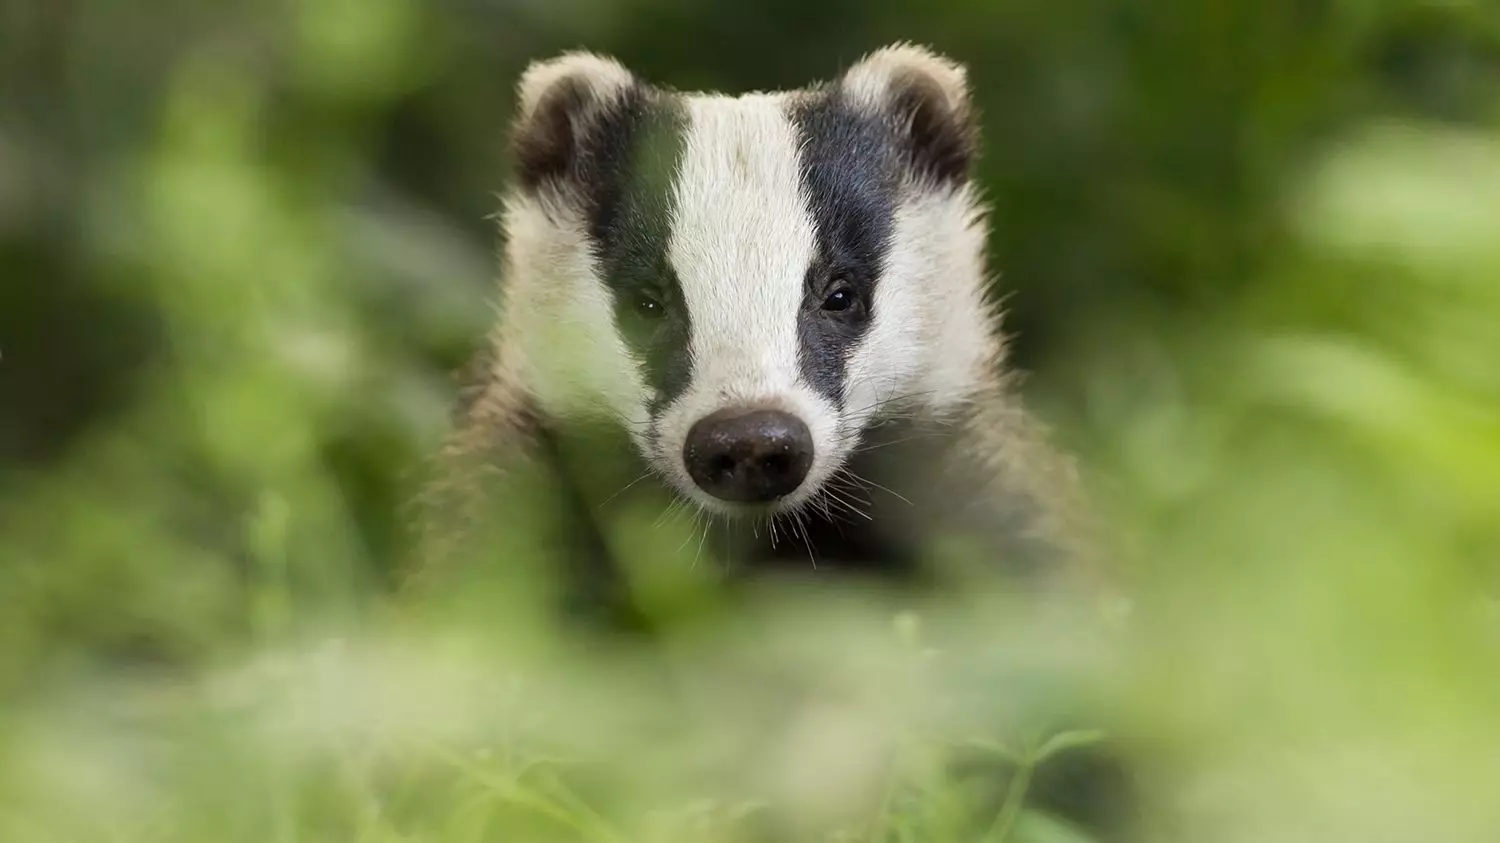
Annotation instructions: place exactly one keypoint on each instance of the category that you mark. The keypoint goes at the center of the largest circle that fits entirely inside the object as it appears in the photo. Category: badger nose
(748, 456)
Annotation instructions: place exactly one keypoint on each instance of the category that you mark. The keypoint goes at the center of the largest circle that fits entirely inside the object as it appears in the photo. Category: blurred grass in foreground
(193, 644)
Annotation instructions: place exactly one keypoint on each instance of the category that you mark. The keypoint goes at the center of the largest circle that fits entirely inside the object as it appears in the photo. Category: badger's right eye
(649, 307)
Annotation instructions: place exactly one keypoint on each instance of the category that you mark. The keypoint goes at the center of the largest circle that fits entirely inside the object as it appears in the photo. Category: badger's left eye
(840, 300)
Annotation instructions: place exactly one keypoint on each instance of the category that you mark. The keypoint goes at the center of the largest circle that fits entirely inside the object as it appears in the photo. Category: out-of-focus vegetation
(1253, 257)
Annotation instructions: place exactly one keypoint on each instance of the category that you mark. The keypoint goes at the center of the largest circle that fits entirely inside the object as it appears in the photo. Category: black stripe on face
(850, 180)
(636, 156)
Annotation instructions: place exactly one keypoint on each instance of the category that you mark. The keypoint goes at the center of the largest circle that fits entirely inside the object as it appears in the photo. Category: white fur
(870, 80)
(742, 239)
(930, 339)
(557, 323)
(605, 77)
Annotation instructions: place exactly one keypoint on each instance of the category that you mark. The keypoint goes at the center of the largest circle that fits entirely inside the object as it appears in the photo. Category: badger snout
(748, 456)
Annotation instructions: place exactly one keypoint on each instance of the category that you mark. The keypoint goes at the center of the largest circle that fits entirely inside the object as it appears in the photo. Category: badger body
(770, 310)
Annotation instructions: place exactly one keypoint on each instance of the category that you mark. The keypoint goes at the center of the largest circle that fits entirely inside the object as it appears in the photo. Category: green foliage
(1251, 250)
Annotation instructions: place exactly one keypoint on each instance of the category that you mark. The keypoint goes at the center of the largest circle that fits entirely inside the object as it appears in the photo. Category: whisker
(707, 526)
(697, 519)
(624, 489)
(836, 496)
(799, 522)
(668, 513)
(838, 523)
(884, 402)
(875, 485)
(878, 445)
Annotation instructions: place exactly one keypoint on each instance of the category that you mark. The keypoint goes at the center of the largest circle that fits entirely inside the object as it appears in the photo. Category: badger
(770, 309)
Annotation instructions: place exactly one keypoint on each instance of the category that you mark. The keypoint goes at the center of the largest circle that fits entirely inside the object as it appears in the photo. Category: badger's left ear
(926, 96)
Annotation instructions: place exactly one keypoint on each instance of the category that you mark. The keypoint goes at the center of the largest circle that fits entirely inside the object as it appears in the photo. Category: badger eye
(840, 300)
(649, 307)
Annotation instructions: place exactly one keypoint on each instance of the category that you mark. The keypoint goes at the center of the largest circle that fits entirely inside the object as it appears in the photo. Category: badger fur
(774, 309)
(771, 311)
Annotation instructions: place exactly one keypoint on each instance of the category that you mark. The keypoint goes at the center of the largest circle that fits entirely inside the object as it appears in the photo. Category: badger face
(746, 283)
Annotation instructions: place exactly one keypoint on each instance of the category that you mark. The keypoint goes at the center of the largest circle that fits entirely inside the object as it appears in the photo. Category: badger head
(746, 283)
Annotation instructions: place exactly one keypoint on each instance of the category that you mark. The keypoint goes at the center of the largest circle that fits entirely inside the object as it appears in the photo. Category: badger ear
(564, 103)
(926, 96)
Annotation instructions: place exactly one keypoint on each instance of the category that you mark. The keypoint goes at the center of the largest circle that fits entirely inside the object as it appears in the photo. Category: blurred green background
(1252, 258)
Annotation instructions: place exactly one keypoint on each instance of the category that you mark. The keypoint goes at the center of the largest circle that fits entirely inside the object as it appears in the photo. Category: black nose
(748, 456)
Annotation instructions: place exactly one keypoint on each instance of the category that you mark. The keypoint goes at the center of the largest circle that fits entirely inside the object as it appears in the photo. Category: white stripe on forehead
(742, 239)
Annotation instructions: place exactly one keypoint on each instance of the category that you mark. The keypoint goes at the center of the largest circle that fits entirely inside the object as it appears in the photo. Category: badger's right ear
(565, 103)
